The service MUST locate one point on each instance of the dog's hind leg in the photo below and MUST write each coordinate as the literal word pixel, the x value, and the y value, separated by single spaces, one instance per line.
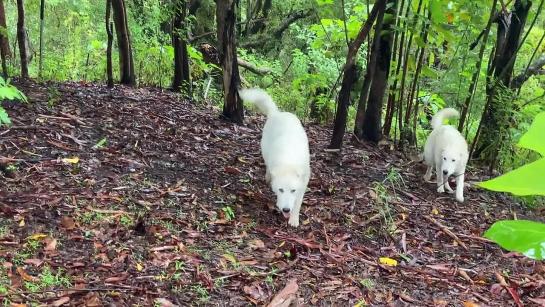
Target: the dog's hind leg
pixel 460 188
pixel 440 181
pixel 427 176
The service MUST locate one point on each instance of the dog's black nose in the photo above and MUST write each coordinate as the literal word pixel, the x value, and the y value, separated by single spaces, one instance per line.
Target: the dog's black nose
pixel 286 210
pixel 445 172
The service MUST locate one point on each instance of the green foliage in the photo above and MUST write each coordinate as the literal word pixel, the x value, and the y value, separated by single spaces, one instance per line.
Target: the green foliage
pixel 8 92
pixel 528 179
pixel 526 237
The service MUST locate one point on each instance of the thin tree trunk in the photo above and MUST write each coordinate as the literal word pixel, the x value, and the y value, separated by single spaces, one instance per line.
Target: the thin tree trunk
pixel 126 63
pixel 42 9
pixel 368 79
pixel 226 24
pixel 181 59
pixel 22 38
pixel 4 41
pixel 372 123
pixel 496 115
pixel 349 76
pixel 109 32
pixel 476 73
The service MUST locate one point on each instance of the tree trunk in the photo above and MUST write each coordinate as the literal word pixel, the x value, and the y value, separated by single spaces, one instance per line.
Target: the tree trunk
pixel 4 42
pixel 496 115
pixel 22 38
pixel 349 76
pixel 226 23
pixel 372 124
pixel 181 59
pixel 42 20
pixel 126 63
pixel 109 32
pixel 368 79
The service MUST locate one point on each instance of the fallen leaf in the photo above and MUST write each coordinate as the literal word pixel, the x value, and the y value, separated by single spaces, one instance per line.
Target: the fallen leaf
pixel 471 304
pixel 434 211
pixel 231 170
pixel 22 222
pixel 163 302
pixel 68 223
pixel 286 296
pixel 254 291
pixel 63 300
pixel 72 160
pixel 256 244
pixel 17 305
pixel 51 245
pixel 230 258
pixel 37 236
pixel 387 261
pixel 26 276
pixel 139 267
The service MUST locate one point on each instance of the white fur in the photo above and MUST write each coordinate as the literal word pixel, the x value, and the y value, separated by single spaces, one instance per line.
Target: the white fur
pixel 284 147
pixel 446 150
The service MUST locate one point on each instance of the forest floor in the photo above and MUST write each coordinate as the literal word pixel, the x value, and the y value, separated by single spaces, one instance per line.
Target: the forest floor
pixel 135 197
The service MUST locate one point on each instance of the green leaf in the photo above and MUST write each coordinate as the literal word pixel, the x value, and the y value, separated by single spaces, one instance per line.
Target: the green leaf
pixel 437 11
pixel 4 118
pixel 533 139
pixel 526 237
pixel 525 180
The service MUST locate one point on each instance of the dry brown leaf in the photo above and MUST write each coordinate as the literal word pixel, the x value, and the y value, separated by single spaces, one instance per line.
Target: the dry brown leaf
pixel 68 223
pixel 471 304
pixel 17 305
pixel 63 300
pixel 163 302
pixel 34 261
pixel 286 295
pixel 51 245
pixel 256 244
pixel 26 276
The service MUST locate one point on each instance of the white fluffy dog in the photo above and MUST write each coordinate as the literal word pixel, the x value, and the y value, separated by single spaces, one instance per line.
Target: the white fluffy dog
pixel 446 149
pixel 284 147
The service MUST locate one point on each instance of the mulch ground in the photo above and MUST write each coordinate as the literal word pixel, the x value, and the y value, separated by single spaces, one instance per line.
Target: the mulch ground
pixel 135 197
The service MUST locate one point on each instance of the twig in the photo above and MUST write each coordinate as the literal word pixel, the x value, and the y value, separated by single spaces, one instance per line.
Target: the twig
pixel 56 291
pixel 447 231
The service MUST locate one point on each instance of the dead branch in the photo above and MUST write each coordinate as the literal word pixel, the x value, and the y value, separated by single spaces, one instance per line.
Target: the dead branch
pixel 446 231
pixel 251 67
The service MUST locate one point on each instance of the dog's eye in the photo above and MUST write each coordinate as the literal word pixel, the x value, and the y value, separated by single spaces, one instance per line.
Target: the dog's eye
pixel 281 190
pixel 445 159
pixel 293 191
pixel 453 160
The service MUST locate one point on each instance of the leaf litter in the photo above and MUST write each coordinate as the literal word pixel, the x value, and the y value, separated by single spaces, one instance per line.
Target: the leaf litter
pixel 134 196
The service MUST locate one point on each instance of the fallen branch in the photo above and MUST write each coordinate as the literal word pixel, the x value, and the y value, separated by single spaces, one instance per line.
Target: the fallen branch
pixel 251 67
pixel 446 231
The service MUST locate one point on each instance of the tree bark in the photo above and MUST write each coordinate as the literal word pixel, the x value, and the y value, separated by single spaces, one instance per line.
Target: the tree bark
pixel 22 38
pixel 349 76
pixel 496 114
pixel 181 59
pixel 42 21
pixel 4 41
pixel 126 63
pixel 226 24
pixel 109 32
pixel 372 124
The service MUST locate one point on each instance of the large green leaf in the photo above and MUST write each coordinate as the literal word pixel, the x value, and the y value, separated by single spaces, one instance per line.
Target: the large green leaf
pixel 526 180
pixel 4 118
pixel 534 139
pixel 526 237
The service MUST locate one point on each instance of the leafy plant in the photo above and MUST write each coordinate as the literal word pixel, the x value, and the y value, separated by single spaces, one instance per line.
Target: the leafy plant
pixel 526 237
pixel 8 92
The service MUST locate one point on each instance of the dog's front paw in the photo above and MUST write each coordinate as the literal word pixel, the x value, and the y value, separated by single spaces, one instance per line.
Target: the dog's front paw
pixel 449 190
pixel 441 189
pixel 459 198
pixel 294 221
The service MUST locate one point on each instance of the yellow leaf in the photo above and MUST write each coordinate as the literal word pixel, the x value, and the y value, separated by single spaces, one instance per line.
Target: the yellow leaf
pixel 22 222
pixel 434 211
pixel 139 267
pixel 470 304
pixel 360 304
pixel 73 160
pixel 387 261
pixel 230 258
pixel 37 236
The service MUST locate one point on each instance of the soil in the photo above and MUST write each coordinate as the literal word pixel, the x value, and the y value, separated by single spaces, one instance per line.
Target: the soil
pixel 138 197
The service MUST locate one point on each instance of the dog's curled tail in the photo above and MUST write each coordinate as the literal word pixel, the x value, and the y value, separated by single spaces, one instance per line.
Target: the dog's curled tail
pixel 437 120
pixel 260 99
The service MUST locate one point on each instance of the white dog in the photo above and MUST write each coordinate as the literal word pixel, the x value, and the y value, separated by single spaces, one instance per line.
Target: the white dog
pixel 446 149
pixel 284 147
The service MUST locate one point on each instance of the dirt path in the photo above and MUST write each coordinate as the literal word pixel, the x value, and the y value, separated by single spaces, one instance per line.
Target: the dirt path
pixel 166 201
